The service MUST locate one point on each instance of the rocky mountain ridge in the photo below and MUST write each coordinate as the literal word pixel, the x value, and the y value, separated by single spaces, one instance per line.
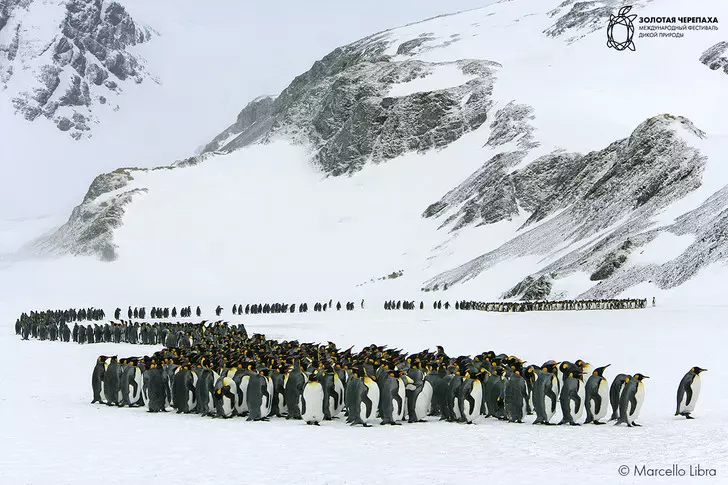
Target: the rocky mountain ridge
pixel 77 68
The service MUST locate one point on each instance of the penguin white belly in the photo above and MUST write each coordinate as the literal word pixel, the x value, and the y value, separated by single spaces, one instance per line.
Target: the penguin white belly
pixel 423 404
pixel 686 407
pixel 227 406
pixel 373 395
pixel 640 398
pixel 313 395
pixel 267 404
pixel 603 391
pixel 399 408
pixel 242 405
pixel 211 402
pixel 191 395
pixel 339 402
pixel 477 395
pixel 282 408
pixel 138 380
pixel 578 411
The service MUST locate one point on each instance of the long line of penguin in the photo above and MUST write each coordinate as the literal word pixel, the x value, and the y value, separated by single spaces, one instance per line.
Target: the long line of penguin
pixel 53 324
pixel 217 370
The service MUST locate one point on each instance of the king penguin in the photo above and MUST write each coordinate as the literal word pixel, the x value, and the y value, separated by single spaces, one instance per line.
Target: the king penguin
pixel 546 393
pixel 597 393
pixel 312 401
pixel 615 391
pixel 631 400
pixel 572 398
pixel 97 379
pixel 688 392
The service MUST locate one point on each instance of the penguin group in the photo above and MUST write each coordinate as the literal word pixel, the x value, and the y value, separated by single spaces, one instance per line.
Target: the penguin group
pixel 265 308
pixel 157 313
pixel 215 369
pixel 53 324
pixel 523 306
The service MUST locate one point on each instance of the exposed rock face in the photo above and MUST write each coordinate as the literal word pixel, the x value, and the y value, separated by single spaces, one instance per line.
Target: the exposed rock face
pixel 609 195
pixel 531 289
pixel 342 108
pixel 91 46
pixel 90 229
pixel 612 262
pixel 716 57
pixel 576 19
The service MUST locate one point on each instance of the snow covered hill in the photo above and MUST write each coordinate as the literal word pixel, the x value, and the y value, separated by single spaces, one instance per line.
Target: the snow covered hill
pixel 500 152
pixel 75 61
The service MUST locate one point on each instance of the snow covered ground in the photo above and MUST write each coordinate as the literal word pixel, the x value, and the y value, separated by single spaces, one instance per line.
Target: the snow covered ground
pixel 52 434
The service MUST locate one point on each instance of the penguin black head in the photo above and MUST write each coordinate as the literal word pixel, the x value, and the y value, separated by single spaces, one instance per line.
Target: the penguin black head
pixel 697 370
pixel 313 377
pixel 582 364
pixel 640 377
pixel 599 371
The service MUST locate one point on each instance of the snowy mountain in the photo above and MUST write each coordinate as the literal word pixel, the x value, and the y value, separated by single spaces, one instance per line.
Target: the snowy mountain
pixel 503 152
pixel 71 65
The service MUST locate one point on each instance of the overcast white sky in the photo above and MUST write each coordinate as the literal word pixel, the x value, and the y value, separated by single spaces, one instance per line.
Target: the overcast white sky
pixel 212 58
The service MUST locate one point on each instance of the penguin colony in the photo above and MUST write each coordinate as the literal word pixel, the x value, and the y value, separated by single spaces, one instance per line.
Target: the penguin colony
pixel 53 325
pixel 524 306
pixel 217 370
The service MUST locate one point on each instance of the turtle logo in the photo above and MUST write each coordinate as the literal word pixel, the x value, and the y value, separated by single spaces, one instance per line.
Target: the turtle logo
pixel 624 26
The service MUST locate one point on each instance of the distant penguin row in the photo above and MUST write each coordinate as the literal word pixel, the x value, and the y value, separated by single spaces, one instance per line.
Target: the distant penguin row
pixel 219 371
pixel 522 306
pixel 157 313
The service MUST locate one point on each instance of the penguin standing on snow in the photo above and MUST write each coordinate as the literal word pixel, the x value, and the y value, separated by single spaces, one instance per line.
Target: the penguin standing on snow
pixel 112 383
pixel 293 385
pixel 572 398
pixel 546 393
pixel 597 393
pixel 631 400
pixel 225 395
pixel 390 401
pixel 516 397
pixel 97 379
pixel 688 392
pixel 312 401
pixel 155 388
pixel 615 391
pixel 470 398
pixel 418 395
pixel 205 389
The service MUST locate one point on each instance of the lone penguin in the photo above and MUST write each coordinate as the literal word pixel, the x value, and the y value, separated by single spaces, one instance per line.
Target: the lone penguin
pixel 688 392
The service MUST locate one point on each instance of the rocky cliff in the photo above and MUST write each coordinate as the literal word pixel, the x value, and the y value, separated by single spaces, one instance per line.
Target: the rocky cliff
pixel 79 65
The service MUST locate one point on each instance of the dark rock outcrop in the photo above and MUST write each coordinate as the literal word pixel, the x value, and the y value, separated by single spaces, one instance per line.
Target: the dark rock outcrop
pixel 342 107
pixel 531 289
pixel 609 195
pixel 91 45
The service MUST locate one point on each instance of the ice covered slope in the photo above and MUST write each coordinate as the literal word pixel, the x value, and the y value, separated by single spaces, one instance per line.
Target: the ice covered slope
pixel 494 147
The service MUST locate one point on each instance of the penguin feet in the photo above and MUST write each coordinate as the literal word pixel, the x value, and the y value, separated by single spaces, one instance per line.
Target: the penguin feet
pixel 635 424
pixel 394 423
pixel 687 416
pixel 597 422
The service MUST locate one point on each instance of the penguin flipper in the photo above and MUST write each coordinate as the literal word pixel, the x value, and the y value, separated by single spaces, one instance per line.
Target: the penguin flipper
pixel 368 403
pixel 689 393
